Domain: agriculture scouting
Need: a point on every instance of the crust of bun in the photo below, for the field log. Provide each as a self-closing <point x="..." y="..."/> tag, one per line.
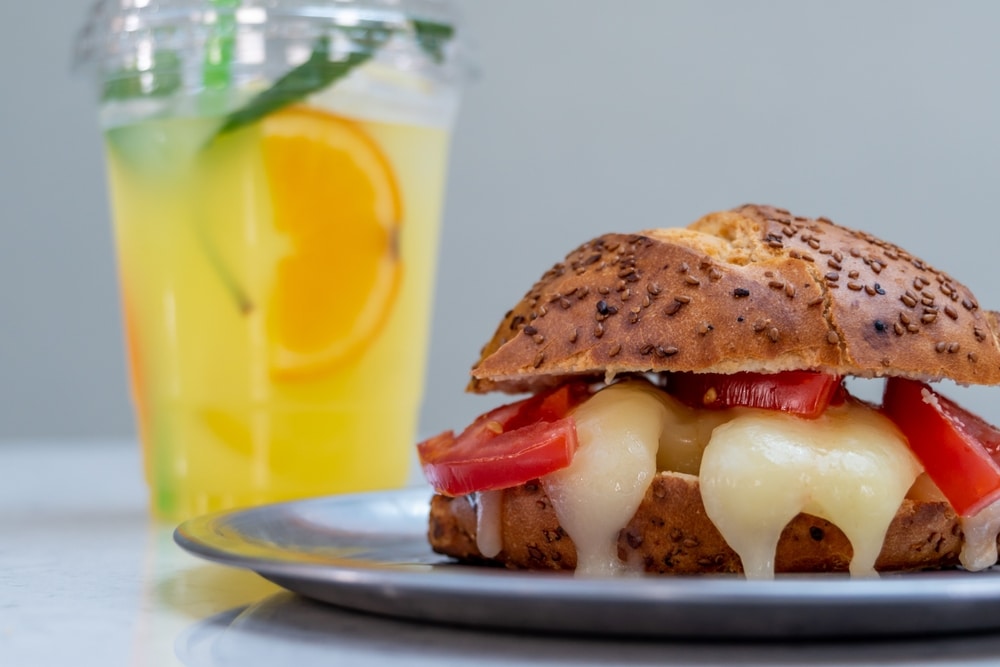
<point x="754" y="289"/>
<point x="671" y="534"/>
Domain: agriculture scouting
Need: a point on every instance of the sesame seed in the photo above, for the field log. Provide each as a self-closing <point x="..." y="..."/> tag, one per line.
<point x="789" y="290"/>
<point x="832" y="276"/>
<point x="904" y="318"/>
<point x="815" y="301"/>
<point x="667" y="351"/>
<point x="673" y="307"/>
<point x="684" y="268"/>
<point x="813" y="243"/>
<point x="604" y="290"/>
<point x="776" y="284"/>
<point x="853" y="274"/>
<point x="807" y="257"/>
<point x="832" y="338"/>
<point x="869" y="290"/>
<point x="898" y="328"/>
<point x="855" y="286"/>
<point x="839" y="256"/>
<point x="530" y="330"/>
<point x="615" y="349"/>
<point x="953" y="347"/>
<point x="691" y="280"/>
<point x="834" y="264"/>
<point x="598" y="330"/>
<point x="574" y="335"/>
<point x="973" y="357"/>
<point x="794" y="254"/>
<point x="912" y="328"/>
<point x="653" y="288"/>
<point x="704" y="328"/>
<point x="646" y="349"/>
<point x="978" y="333"/>
<point x="773" y="334"/>
<point x="565" y="303"/>
<point x="539" y="358"/>
<point x="683" y="298"/>
<point x="969" y="304"/>
<point x="940" y="346"/>
<point x="494" y="426"/>
<point x="714" y="274"/>
<point x="951" y="312"/>
<point x="908" y="300"/>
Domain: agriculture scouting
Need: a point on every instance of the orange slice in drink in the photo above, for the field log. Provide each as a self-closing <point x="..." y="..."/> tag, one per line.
<point x="336" y="199"/>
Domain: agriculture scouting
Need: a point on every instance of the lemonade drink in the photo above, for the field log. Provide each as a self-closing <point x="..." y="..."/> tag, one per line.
<point x="276" y="281"/>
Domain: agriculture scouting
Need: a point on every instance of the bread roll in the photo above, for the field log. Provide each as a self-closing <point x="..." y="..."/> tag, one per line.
<point x="754" y="289"/>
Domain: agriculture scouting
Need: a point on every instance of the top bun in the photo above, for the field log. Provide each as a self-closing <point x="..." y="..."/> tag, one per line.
<point x="753" y="289"/>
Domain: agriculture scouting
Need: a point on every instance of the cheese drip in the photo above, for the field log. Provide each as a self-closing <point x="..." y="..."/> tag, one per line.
<point x="979" y="551"/>
<point x="598" y="493"/>
<point x="489" y="529"/>
<point x="850" y="466"/>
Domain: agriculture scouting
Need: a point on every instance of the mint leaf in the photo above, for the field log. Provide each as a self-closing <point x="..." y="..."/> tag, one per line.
<point x="314" y="74"/>
<point x="160" y="80"/>
<point x="432" y="37"/>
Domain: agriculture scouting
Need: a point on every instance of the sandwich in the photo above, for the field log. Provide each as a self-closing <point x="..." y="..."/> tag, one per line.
<point x="685" y="411"/>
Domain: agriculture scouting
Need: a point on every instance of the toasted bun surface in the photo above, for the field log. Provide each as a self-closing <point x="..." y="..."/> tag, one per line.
<point x="671" y="534"/>
<point x="754" y="289"/>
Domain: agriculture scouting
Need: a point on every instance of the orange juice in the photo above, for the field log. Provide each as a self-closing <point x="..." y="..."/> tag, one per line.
<point x="276" y="283"/>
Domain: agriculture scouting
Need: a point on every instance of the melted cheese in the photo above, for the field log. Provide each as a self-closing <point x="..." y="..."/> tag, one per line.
<point x="851" y="466"/>
<point x="979" y="551"/>
<point x="489" y="532"/>
<point x="599" y="492"/>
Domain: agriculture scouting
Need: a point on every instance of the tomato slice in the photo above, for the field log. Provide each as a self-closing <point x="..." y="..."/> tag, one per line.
<point x="507" y="446"/>
<point x="959" y="450"/>
<point x="804" y="393"/>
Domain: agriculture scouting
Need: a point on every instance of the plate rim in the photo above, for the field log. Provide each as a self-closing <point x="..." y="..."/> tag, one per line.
<point x="343" y="580"/>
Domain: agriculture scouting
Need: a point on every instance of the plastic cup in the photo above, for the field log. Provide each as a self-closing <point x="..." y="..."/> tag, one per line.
<point x="276" y="172"/>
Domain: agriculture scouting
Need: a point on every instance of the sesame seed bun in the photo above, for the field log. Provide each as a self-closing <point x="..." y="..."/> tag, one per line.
<point x="753" y="289"/>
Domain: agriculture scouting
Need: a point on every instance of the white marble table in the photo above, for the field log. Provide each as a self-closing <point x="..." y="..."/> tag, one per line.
<point x="87" y="579"/>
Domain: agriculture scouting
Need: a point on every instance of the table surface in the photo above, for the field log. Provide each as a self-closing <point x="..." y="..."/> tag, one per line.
<point x="86" y="578"/>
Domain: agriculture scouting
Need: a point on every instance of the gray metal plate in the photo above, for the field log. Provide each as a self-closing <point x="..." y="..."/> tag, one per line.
<point x="369" y="552"/>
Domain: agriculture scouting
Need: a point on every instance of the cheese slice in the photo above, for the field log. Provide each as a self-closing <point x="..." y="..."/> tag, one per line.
<point x="599" y="492"/>
<point x="850" y="466"/>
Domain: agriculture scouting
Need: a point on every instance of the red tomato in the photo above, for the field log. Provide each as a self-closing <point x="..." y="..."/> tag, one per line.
<point x="507" y="446"/>
<point x="959" y="450"/>
<point x="804" y="393"/>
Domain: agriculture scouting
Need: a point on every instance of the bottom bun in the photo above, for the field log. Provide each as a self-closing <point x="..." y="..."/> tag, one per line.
<point x="671" y="534"/>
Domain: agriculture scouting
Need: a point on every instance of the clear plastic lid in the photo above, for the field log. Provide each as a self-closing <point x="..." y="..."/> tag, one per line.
<point x="153" y="49"/>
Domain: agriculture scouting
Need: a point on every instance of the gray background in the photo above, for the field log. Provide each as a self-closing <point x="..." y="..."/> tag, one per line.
<point x="587" y="116"/>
